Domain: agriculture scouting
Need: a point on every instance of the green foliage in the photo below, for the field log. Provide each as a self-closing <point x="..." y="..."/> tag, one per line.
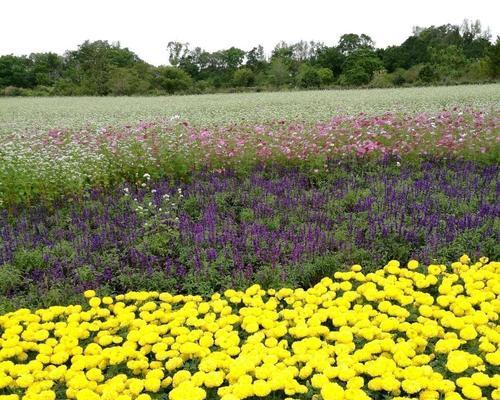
<point x="279" y="73"/>
<point x="350" y="43"/>
<point x="493" y="59"/>
<point x="428" y="74"/>
<point x="325" y="75"/>
<point x="10" y="278"/>
<point x="457" y="54"/>
<point x="172" y="79"/>
<point x="243" y="77"/>
<point x="125" y="82"/>
<point x="381" y="79"/>
<point x="27" y="260"/>
<point x="355" y="76"/>
<point x="365" y="59"/>
<point x="330" y="57"/>
<point x="16" y="71"/>
<point x="308" y="77"/>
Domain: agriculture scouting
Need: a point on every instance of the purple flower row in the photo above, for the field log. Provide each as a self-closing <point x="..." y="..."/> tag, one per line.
<point x="277" y="225"/>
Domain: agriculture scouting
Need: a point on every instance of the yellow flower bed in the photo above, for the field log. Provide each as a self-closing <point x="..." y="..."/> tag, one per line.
<point x="401" y="332"/>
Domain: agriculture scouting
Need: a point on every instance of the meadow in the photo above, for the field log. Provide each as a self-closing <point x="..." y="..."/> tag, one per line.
<point x="39" y="113"/>
<point x="302" y="245"/>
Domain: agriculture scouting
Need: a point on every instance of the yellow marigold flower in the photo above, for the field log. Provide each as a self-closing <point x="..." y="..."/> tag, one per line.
<point x="95" y="302"/>
<point x="135" y="386"/>
<point x="464" y="259"/>
<point x="181" y="376"/>
<point x="230" y="396"/>
<point x="89" y="293"/>
<point x="95" y="374"/>
<point x="493" y="358"/>
<point x="468" y="333"/>
<point x="332" y="391"/>
<point x="152" y="385"/>
<point x="261" y="388"/>
<point x="457" y="362"/>
<point x="87" y="394"/>
<point x="472" y="392"/>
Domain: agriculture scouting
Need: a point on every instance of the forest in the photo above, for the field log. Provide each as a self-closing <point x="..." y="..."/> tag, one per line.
<point x="436" y="55"/>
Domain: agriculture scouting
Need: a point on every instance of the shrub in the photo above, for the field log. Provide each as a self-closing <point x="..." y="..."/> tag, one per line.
<point x="325" y="75"/>
<point x="355" y="76"/>
<point x="428" y="74"/>
<point x="381" y="79"/>
<point x="12" y="91"/>
<point x="172" y="79"/>
<point x="308" y="77"/>
<point x="243" y="77"/>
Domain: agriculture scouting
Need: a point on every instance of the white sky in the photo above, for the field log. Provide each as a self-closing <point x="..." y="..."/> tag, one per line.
<point x="146" y="26"/>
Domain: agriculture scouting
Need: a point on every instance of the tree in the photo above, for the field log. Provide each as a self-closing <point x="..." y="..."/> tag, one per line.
<point x="279" y="73"/>
<point x="176" y="51"/>
<point x="449" y="62"/>
<point x="16" y="71"/>
<point x="47" y="68"/>
<point x="325" y="75"/>
<point x="476" y="42"/>
<point x="124" y="82"/>
<point x="355" y="76"/>
<point x="393" y="57"/>
<point x="89" y="66"/>
<point x="331" y="58"/>
<point x="172" y="79"/>
<point x="232" y="58"/>
<point x="493" y="59"/>
<point x="256" y="59"/>
<point x="243" y="77"/>
<point x="283" y="51"/>
<point x="351" y="42"/>
<point x="366" y="59"/>
<point x="305" y="51"/>
<point x="308" y="77"/>
<point x="428" y="74"/>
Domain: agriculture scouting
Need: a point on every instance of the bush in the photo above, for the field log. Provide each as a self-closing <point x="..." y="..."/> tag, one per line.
<point x="12" y="91"/>
<point x="428" y="74"/>
<point x="243" y="77"/>
<point x="325" y="75"/>
<point x="64" y="87"/>
<point x="355" y="76"/>
<point x="308" y="77"/>
<point x="124" y="82"/>
<point x="381" y="79"/>
<point x="172" y="79"/>
<point x="10" y="278"/>
<point x="411" y="75"/>
<point x="398" y="77"/>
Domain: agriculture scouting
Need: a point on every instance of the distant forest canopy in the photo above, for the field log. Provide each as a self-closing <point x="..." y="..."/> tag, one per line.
<point x="447" y="54"/>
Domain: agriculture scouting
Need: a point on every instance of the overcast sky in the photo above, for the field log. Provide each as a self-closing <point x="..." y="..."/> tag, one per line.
<point x="146" y="26"/>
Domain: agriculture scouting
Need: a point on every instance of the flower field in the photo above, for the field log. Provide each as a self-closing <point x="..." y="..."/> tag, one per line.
<point x="52" y="164"/>
<point x="402" y="331"/>
<point x="280" y="224"/>
<point x="244" y="246"/>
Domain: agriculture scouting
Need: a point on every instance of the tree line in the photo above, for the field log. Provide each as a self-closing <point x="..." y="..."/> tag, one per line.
<point x="446" y="54"/>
